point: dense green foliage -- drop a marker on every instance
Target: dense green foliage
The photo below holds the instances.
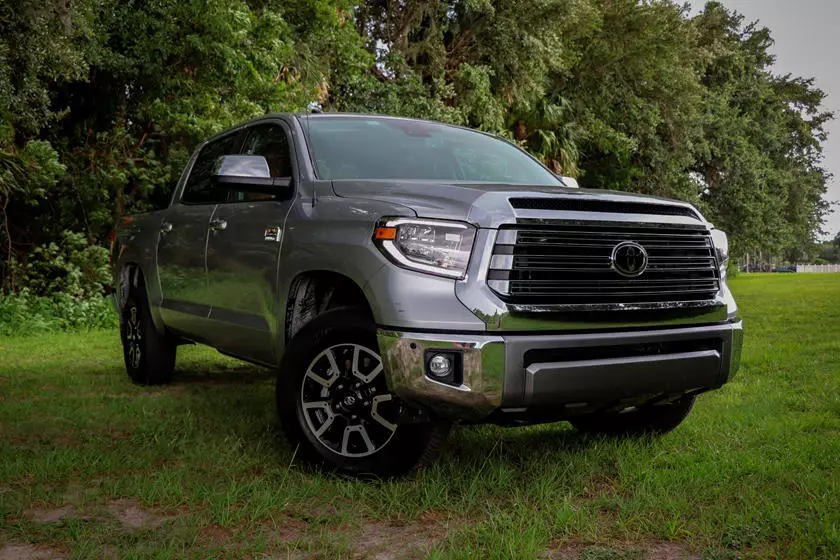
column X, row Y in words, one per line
column 101, row 101
column 24, row 314
column 828, row 252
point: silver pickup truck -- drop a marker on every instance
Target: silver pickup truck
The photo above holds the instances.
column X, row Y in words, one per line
column 401, row 274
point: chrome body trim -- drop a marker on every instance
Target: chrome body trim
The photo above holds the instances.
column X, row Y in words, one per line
column 483, row 359
column 495, row 374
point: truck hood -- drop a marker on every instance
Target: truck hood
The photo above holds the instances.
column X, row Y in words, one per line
column 489, row 204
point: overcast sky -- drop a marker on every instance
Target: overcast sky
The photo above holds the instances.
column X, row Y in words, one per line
column 808, row 45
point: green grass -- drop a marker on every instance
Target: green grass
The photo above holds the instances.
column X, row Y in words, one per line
column 92, row 466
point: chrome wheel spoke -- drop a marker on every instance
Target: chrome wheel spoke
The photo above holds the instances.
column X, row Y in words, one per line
column 372, row 375
column 325, row 426
column 365, row 378
column 374, row 411
column 325, row 406
column 326, row 383
column 345, row 441
column 334, row 371
column 355, row 366
column 366, row 438
column 333, row 364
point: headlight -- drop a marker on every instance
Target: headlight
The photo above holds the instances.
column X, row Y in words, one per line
column 432, row 246
column 721, row 243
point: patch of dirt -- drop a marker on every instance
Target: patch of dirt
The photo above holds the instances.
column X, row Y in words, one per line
column 17, row 551
column 568, row 552
column 669, row 551
column 118, row 435
column 318, row 513
column 215, row 535
column 74, row 497
column 287, row 530
column 384, row 541
column 52, row 515
column 131, row 514
column 74, row 493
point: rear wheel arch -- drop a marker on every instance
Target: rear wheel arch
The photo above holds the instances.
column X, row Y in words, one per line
column 133, row 276
column 130, row 278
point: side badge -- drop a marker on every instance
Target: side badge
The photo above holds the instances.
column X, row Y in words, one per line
column 273, row 234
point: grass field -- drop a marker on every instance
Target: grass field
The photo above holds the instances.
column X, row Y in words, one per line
column 93, row 466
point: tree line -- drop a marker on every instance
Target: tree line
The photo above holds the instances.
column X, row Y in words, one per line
column 101, row 101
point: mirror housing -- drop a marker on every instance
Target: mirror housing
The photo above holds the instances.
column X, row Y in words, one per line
column 569, row 182
column 249, row 174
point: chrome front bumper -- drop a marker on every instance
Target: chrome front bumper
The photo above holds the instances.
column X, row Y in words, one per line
column 582, row 372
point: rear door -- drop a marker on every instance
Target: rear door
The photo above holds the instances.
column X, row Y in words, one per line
column 243, row 251
column 181, row 252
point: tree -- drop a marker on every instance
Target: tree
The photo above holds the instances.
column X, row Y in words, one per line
column 101, row 101
column 762, row 165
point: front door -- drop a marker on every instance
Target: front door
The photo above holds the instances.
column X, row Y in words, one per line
column 181, row 253
column 243, row 252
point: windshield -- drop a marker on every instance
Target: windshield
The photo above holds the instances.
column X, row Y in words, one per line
column 387, row 148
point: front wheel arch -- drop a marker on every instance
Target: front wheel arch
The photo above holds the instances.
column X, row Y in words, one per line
column 315, row 292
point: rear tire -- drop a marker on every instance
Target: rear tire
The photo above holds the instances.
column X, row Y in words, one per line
column 149, row 355
column 652, row 420
column 335, row 407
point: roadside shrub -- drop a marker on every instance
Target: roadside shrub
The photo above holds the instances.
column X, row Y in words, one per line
column 69, row 266
column 733, row 270
column 26, row 314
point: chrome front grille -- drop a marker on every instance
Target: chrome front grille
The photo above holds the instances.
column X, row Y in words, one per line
column 571, row 264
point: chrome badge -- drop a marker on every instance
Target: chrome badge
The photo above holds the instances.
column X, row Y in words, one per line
column 629, row 259
column 273, row 234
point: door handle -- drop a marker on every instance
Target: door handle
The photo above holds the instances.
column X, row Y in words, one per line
column 218, row 225
column 165, row 227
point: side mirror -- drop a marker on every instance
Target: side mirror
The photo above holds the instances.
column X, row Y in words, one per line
column 569, row 182
column 249, row 174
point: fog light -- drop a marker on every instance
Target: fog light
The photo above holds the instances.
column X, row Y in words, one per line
column 440, row 365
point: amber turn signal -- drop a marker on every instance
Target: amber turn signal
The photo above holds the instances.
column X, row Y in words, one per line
column 386, row 233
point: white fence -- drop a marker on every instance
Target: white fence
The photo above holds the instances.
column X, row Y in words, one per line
column 818, row 268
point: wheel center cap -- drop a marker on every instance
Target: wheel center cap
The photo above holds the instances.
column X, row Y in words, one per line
column 349, row 400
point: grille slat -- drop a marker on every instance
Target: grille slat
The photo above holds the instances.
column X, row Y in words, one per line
column 670, row 234
column 588, row 205
column 570, row 264
column 624, row 293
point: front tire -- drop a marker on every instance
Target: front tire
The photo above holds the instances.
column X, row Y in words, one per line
column 651, row 420
column 149, row 355
column 335, row 406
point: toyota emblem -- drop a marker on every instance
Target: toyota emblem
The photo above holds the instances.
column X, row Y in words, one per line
column 629, row 259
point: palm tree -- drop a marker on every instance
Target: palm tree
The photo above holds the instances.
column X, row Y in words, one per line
column 546, row 130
